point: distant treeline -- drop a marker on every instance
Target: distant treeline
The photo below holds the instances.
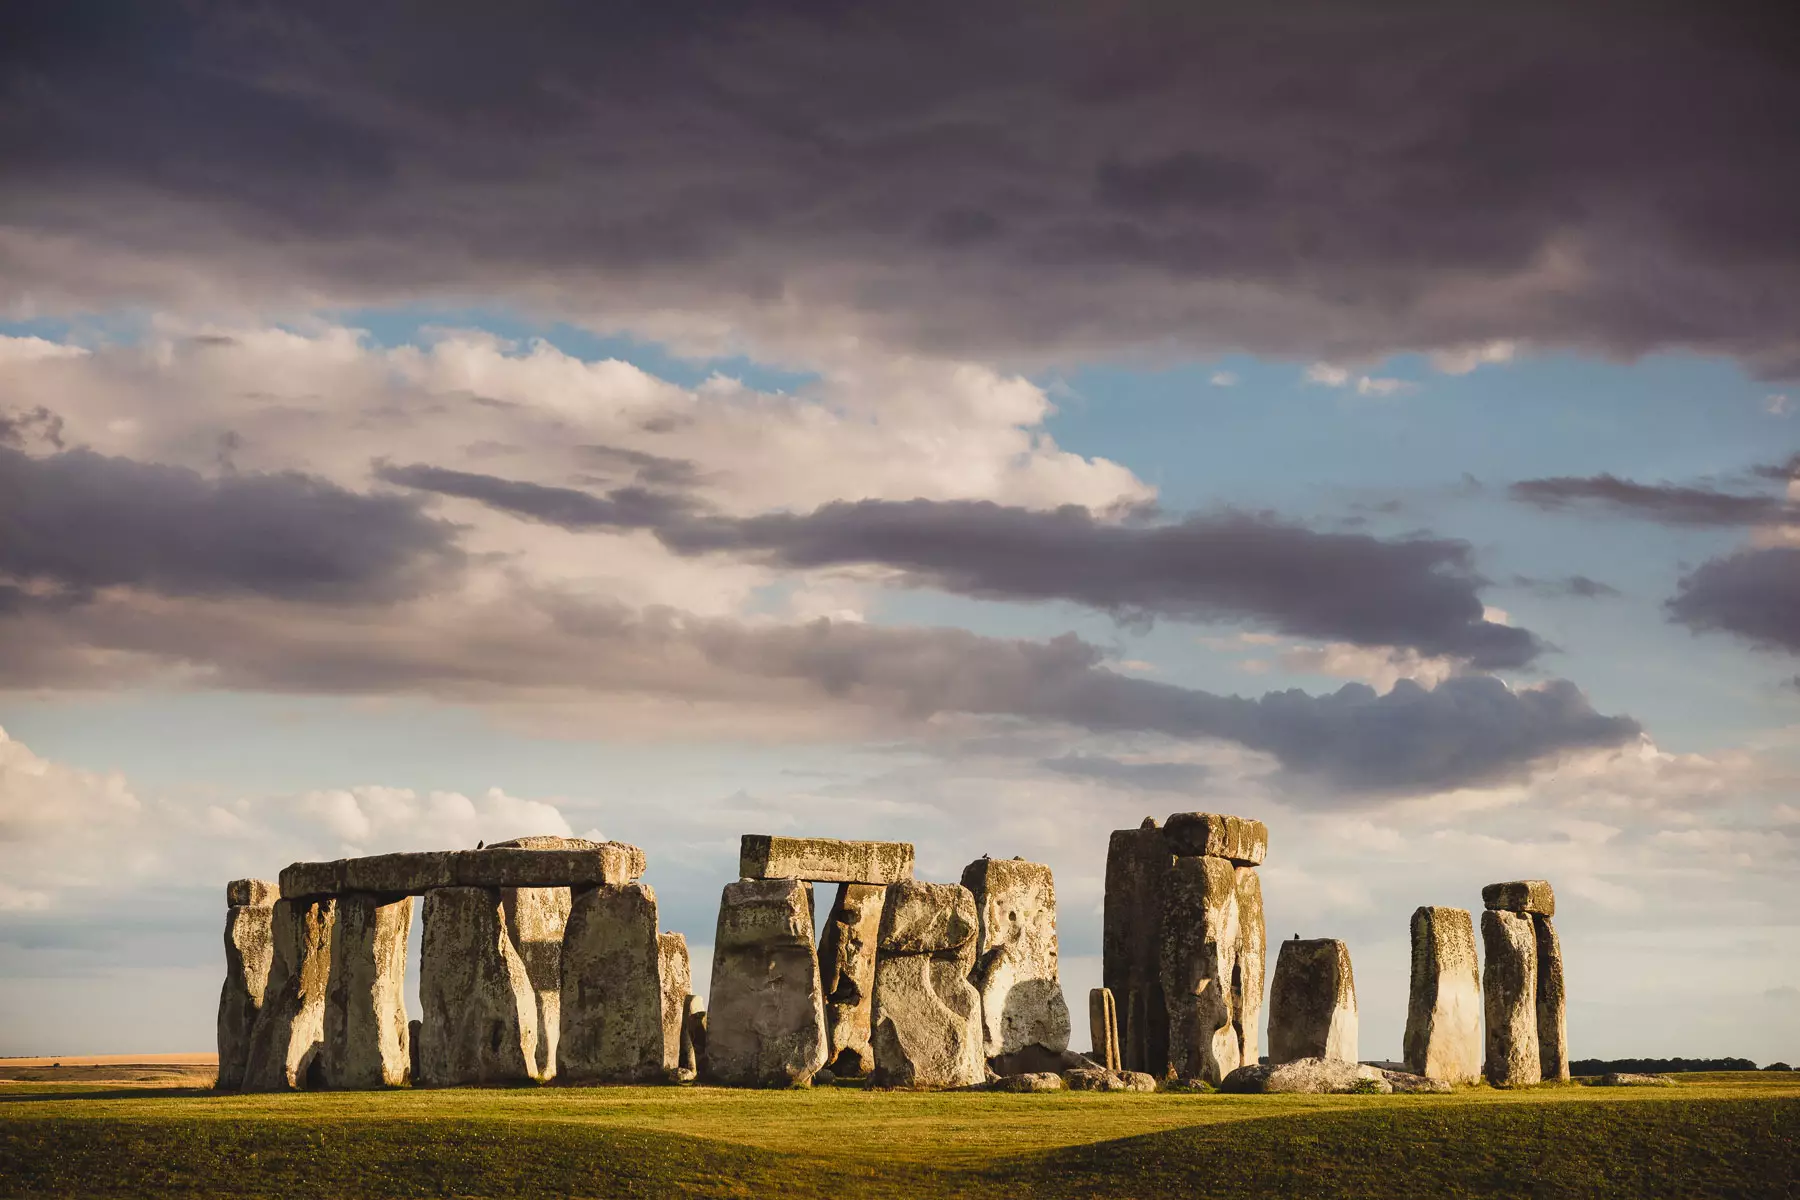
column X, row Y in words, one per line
column 1659, row 1066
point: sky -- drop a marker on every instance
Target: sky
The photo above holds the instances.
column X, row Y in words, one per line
column 981, row 426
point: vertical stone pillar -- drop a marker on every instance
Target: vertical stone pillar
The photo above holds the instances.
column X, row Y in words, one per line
column 535, row 918
column 1024, row 1017
column 766, row 1024
column 480, row 1022
column 612, row 988
column 693, row 1034
column 1252, row 959
column 1312, row 1004
column 1198, row 962
column 677, row 977
column 847, row 973
column 1509, row 992
column 249, row 951
column 1443, row 1012
column 1138, row 863
column 289, row 1034
column 366, row 1034
column 1552, row 1006
column 1103, row 1028
column 927, row 1016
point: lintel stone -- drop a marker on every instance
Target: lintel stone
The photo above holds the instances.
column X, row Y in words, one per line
column 824, row 860
column 588, row 865
column 1215, row 835
column 1521, row 896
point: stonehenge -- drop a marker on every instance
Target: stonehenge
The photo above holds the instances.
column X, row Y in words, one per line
column 766, row 1014
column 480, row 1023
column 1103, row 1028
column 289, row 1034
column 676, row 976
column 1024, row 1017
column 927, row 1016
column 613, row 1003
column 1443, row 1012
column 366, row 1035
column 847, row 974
column 1312, row 1003
column 1522, row 985
column 249, row 949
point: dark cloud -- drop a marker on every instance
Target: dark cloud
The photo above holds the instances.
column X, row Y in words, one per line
column 1571, row 587
column 650, row 470
column 77, row 521
column 1310, row 179
column 1417, row 592
column 1754, row 594
column 1670, row 504
column 31, row 427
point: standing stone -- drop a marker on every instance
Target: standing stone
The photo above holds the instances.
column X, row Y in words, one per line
column 366, row 1042
column 1197, row 965
column 1312, row 1005
column 612, row 988
column 927, row 1016
column 249, row 950
column 1103, row 1028
column 1024, row 1017
column 766, row 1026
column 847, row 973
column 480, row 1022
column 535, row 919
column 1552, row 1010
column 693, row 1032
column 412, row 1048
column 1252, row 958
column 677, row 977
column 1443, row 1012
column 289, row 1034
column 1138, row 863
column 1509, row 992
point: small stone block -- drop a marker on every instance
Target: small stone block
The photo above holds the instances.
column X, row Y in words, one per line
column 1520, row 896
column 762, row 856
column 251, row 893
column 1214, row 835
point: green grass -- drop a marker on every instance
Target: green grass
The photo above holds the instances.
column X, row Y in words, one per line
column 1723, row 1135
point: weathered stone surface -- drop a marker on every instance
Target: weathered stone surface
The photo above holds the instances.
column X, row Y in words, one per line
column 612, row 988
column 1015, row 973
column 366, row 1037
column 926, row 1015
column 1312, row 1005
column 535, row 920
column 251, row 893
column 1103, row 1028
column 1407, row 1081
column 1199, row 957
column 309, row 880
column 1628, row 1079
column 1521, row 896
column 1509, row 996
column 693, row 1030
column 1252, row 958
column 1138, row 863
column 1215, row 835
column 847, row 973
column 1552, row 1003
column 1443, row 1013
column 568, row 862
column 249, row 950
column 1093, row 1079
column 1032, row 1081
column 1306, row 1075
column 289, row 1034
column 677, row 978
column 412, row 1047
column 406, row 873
column 762, row 856
column 480, row 1022
column 766, row 1025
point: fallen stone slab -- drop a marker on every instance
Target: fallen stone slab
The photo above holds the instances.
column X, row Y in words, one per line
column 766, row 1024
column 1138, row 863
column 1313, row 1076
column 251, row 893
column 289, row 1035
column 1098, row 1080
column 480, row 1014
column 1032, row 1081
column 1630, row 1079
column 535, row 920
column 1103, row 1028
column 677, row 978
column 1312, row 1003
column 1521, row 896
column 1552, row 1001
column 1443, row 1012
column 847, row 974
column 1409, row 1082
column 1199, row 956
column 1015, row 971
column 926, row 1015
column 1215, row 835
column 823, row 860
column 573, row 863
column 366, row 1040
column 249, row 951
column 1509, row 999
column 612, row 988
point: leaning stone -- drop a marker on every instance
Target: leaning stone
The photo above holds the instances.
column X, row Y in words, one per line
column 1628, row 1079
column 1509, row 994
column 823, row 860
column 926, row 1015
column 1035, row 1081
column 1103, row 1027
column 1022, row 1005
column 535, row 920
column 289, row 1035
column 1311, row 1076
column 766, row 1025
column 1552, row 1002
column 1252, row 958
column 1443, row 1012
column 847, row 973
column 676, row 976
column 612, row 988
column 312, row 880
column 1199, row 956
column 480, row 1014
column 1521, row 896
column 366, row 1042
column 1312, row 1004
column 251, row 893
column 1213, row 835
column 1138, row 863
column 249, row 949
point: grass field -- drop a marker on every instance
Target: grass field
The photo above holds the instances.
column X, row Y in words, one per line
column 1728, row 1135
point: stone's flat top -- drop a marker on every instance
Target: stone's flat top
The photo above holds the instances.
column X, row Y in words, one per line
column 767, row 913
column 1001, row 874
column 1521, row 896
column 766, row 856
column 414, row 872
column 251, row 893
column 927, row 918
column 1217, row 835
column 548, row 841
